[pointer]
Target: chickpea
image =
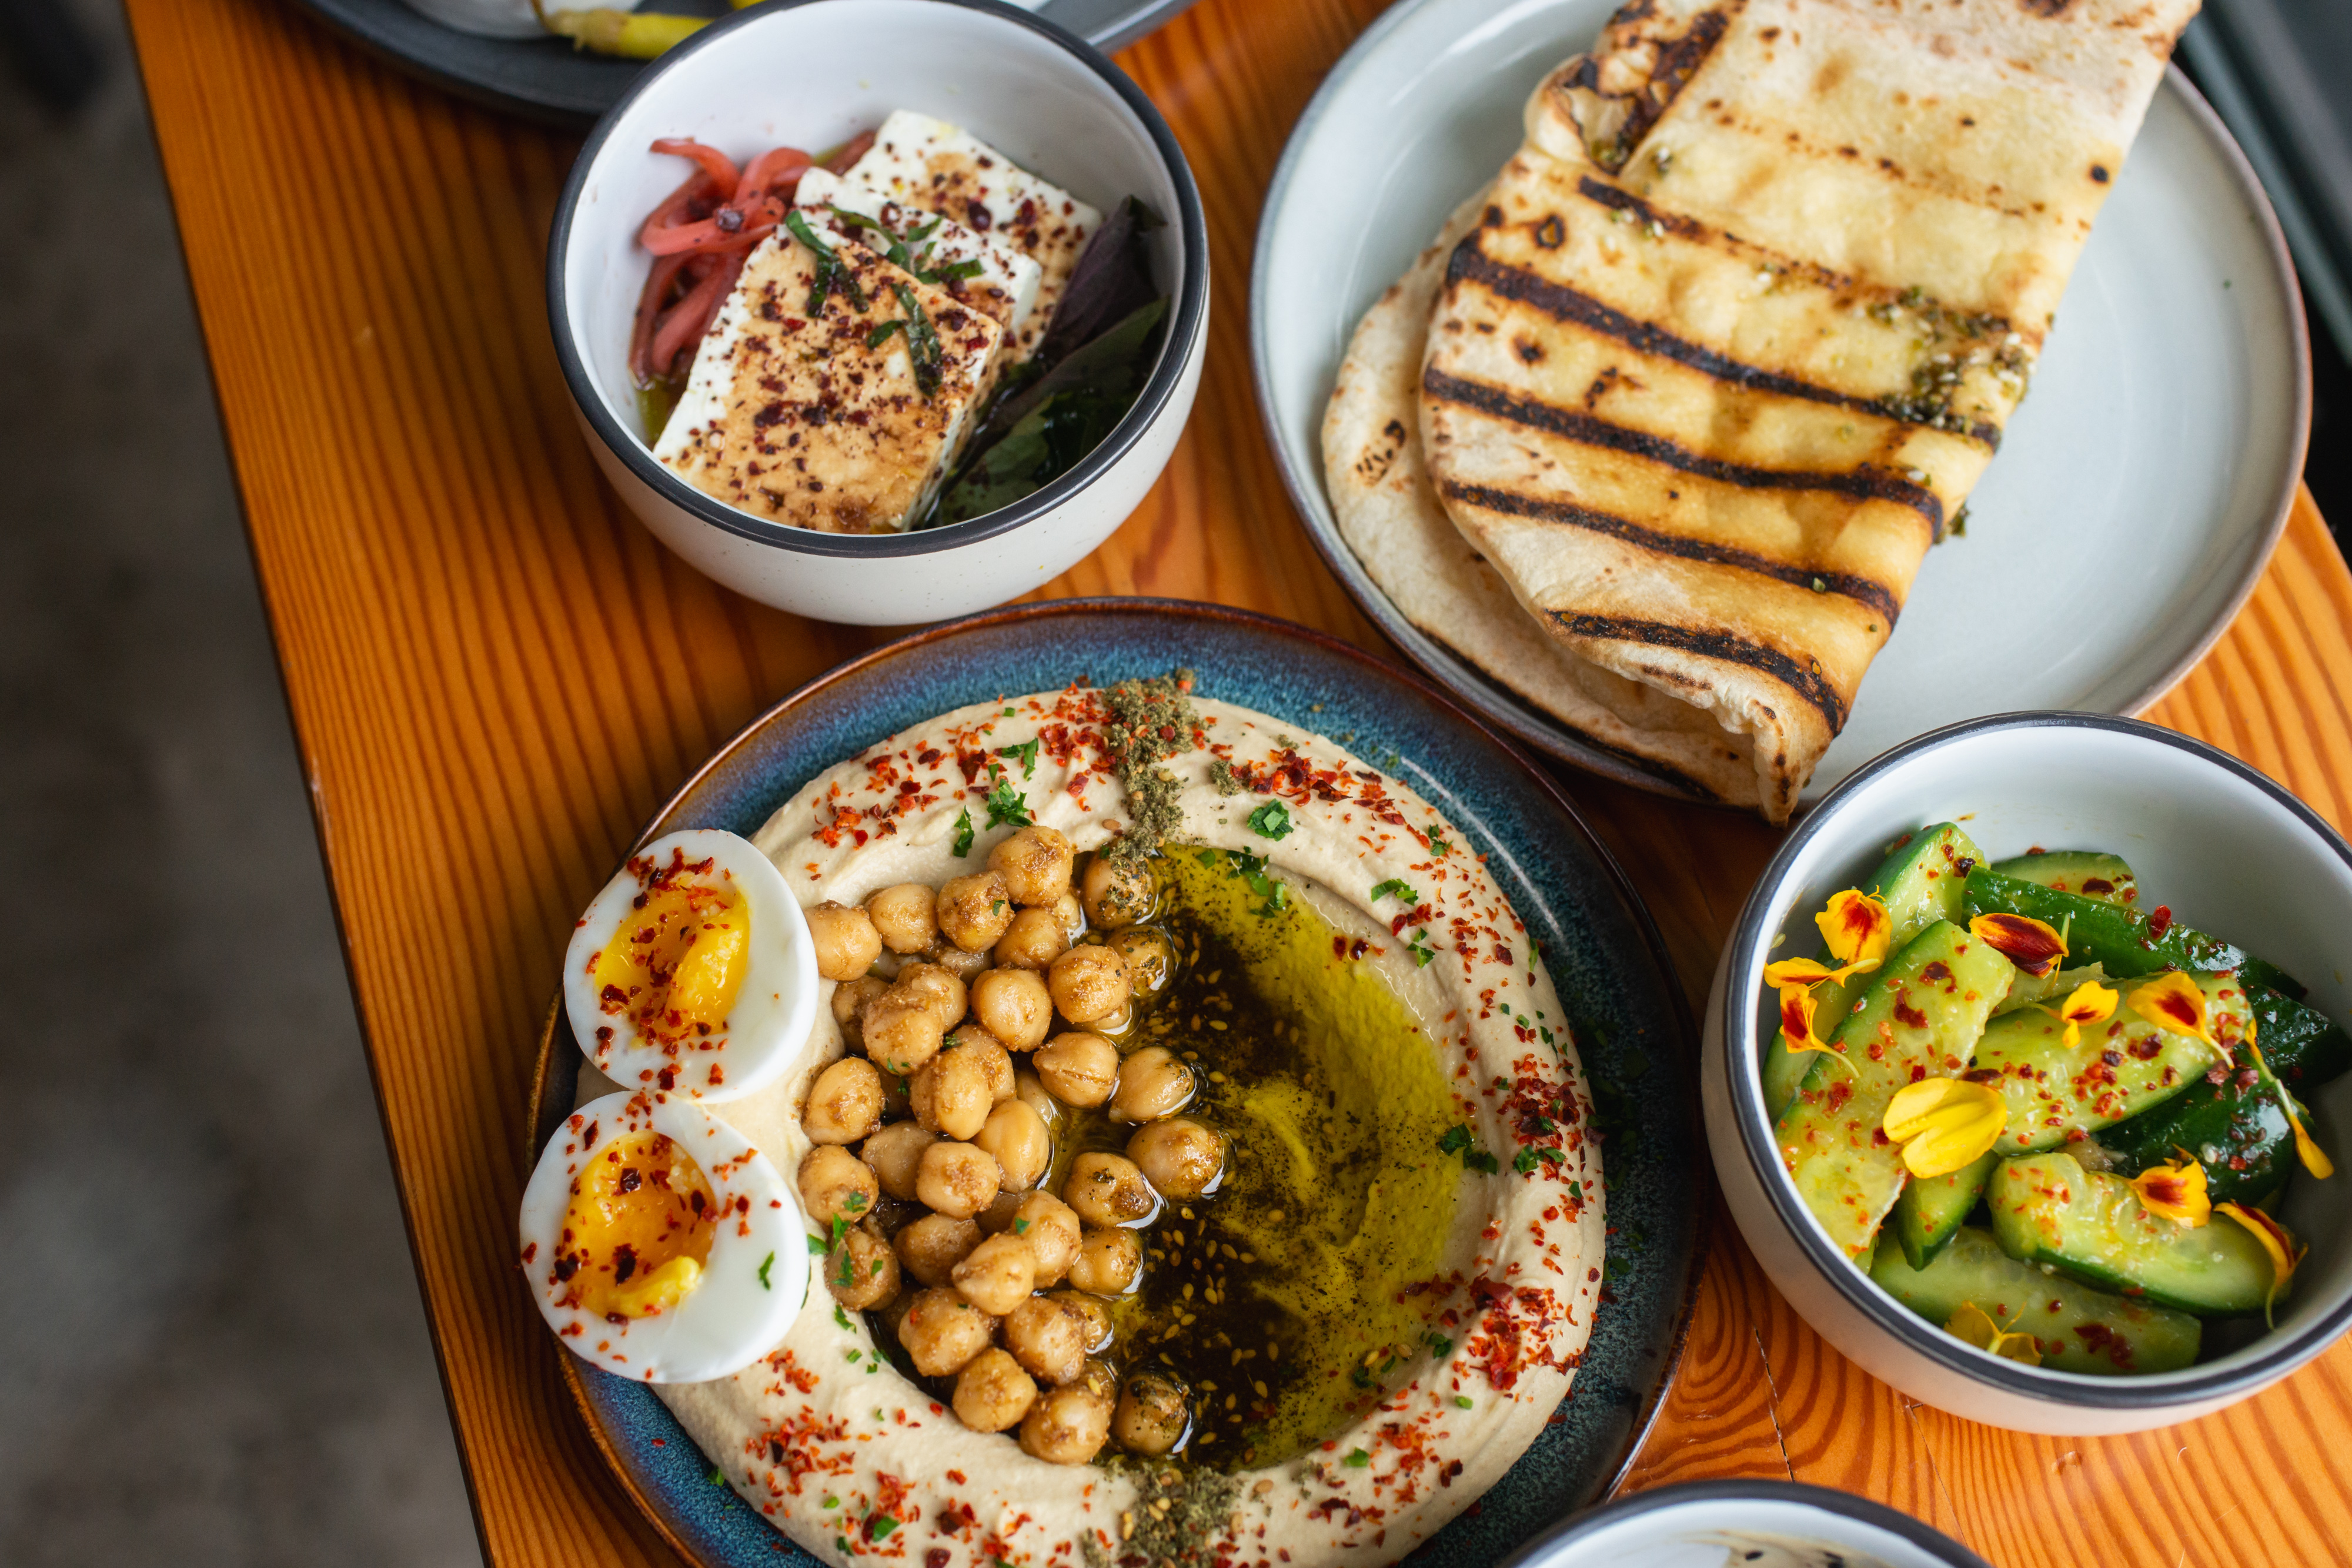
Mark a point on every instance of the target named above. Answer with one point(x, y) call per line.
point(1052, 1228)
point(929, 1248)
point(1153, 1083)
point(1017, 1137)
point(1047, 1336)
point(994, 1059)
point(974, 911)
point(1152, 1415)
point(1089, 984)
point(1089, 1311)
point(1080, 1069)
point(1066, 1425)
point(1151, 960)
point(943, 1333)
point(1179, 1157)
point(845, 1105)
point(991, 1393)
point(847, 942)
point(1001, 1211)
point(1014, 1005)
point(836, 1184)
point(965, 966)
point(895, 1154)
point(850, 1000)
point(1071, 914)
point(1033, 940)
point(1116, 895)
point(1031, 1090)
point(956, 1179)
point(860, 1270)
point(1036, 865)
point(998, 1275)
point(901, 1034)
point(904, 917)
point(1109, 1262)
point(936, 989)
point(1107, 1189)
point(950, 1094)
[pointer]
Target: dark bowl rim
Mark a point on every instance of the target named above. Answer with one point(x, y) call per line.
point(1180, 345)
point(2265, 1361)
point(1861, 1510)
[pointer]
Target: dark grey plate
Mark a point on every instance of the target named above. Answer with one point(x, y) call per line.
point(1604, 954)
point(548, 80)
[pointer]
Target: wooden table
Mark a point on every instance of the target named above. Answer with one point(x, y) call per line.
point(496, 675)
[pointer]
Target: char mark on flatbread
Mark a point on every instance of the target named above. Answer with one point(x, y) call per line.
point(1860, 589)
point(1805, 680)
point(1561, 303)
point(1866, 482)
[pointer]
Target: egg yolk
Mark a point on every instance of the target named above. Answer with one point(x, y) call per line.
point(638, 1230)
point(674, 967)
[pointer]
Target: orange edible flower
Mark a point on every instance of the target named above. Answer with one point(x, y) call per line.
point(1858, 930)
point(1944, 1124)
point(2090, 1002)
point(1975, 1324)
point(1798, 1007)
point(2286, 1252)
point(2034, 945)
point(2175, 1191)
point(2315, 1158)
point(2174, 1001)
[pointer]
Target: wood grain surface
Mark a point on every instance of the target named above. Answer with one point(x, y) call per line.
point(496, 676)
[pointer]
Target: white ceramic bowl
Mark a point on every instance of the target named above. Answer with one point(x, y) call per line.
point(814, 73)
point(2229, 851)
point(1707, 1524)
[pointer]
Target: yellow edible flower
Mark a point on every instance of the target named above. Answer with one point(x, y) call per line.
point(1858, 929)
point(2286, 1253)
point(2034, 945)
point(2314, 1159)
point(2174, 1001)
point(1944, 1124)
point(2090, 1002)
point(1974, 1324)
point(2175, 1191)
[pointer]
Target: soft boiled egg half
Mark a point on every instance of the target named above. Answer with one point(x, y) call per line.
point(692, 973)
point(661, 1245)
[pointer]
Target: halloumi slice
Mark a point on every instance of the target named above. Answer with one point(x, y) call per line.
point(1006, 285)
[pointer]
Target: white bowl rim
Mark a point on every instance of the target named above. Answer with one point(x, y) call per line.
point(1847, 1505)
point(2265, 1362)
point(1177, 343)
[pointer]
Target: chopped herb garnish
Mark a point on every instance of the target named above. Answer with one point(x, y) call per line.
point(1020, 1228)
point(1395, 887)
point(830, 1502)
point(1006, 805)
point(1439, 847)
point(840, 1230)
point(830, 274)
point(1457, 1139)
point(818, 1246)
point(1440, 1346)
point(879, 1527)
point(1027, 752)
point(881, 334)
point(763, 1271)
point(1222, 775)
point(1462, 1401)
point(845, 1274)
point(1480, 1160)
point(1419, 948)
point(923, 350)
point(716, 1477)
point(855, 1202)
point(963, 845)
point(1357, 1459)
point(1271, 820)
point(841, 1317)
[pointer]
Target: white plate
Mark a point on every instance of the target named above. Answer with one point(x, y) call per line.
point(2138, 490)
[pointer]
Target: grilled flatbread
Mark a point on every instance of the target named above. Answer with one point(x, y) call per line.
point(1743, 318)
point(1393, 521)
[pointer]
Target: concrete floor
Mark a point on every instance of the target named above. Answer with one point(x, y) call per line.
point(212, 1349)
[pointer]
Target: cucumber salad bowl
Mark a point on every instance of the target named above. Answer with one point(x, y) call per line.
point(2024, 1067)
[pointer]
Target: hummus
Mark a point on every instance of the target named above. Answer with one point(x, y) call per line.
point(852, 1459)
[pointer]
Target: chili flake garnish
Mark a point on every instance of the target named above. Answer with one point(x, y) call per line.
point(2174, 1001)
point(2034, 945)
point(1973, 1323)
point(1944, 1124)
point(2089, 1002)
point(2176, 1191)
point(2286, 1253)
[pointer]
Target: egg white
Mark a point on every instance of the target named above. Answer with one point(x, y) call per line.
point(732, 1317)
point(774, 1009)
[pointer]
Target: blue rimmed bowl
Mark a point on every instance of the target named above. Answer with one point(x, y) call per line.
point(1603, 953)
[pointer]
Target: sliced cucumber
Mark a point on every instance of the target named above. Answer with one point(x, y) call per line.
point(1921, 1015)
point(2237, 1128)
point(1928, 1213)
point(2126, 940)
point(2115, 1070)
point(2046, 1208)
point(2027, 990)
point(2093, 873)
point(1919, 881)
point(2078, 1329)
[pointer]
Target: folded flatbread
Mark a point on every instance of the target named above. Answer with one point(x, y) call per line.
point(1738, 326)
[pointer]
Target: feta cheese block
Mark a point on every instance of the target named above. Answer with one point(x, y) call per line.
point(1006, 285)
point(806, 409)
point(919, 161)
